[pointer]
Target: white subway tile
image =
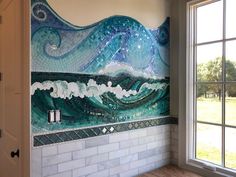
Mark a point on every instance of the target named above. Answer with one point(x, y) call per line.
point(117, 137)
point(119, 169)
point(136, 149)
point(166, 128)
point(119, 153)
point(166, 142)
point(128, 154)
point(137, 133)
point(85, 153)
point(108, 164)
point(104, 173)
point(71, 146)
point(108, 148)
point(147, 139)
point(63, 174)
point(152, 131)
point(157, 130)
point(146, 154)
point(129, 158)
point(167, 136)
point(116, 175)
point(55, 159)
point(162, 163)
point(166, 155)
point(163, 128)
point(154, 145)
point(85, 171)
point(133, 172)
point(174, 145)
point(96, 159)
point(49, 170)
point(138, 163)
point(162, 149)
point(146, 168)
point(49, 150)
point(96, 141)
point(159, 144)
point(153, 159)
point(36, 160)
point(71, 165)
point(129, 143)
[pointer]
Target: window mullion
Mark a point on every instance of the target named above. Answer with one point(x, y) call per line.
point(223, 85)
point(217, 41)
point(195, 81)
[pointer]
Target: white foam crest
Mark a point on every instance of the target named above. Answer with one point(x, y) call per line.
point(115, 68)
point(63, 89)
point(154, 86)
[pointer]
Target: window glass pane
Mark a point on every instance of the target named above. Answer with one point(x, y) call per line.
point(230, 105)
point(230, 148)
point(230, 18)
point(209, 103)
point(209, 62)
point(208, 145)
point(209, 22)
point(230, 61)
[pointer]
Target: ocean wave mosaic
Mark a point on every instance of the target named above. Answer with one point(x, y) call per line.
point(114, 70)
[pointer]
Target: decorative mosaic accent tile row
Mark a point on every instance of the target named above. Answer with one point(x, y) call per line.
point(51, 138)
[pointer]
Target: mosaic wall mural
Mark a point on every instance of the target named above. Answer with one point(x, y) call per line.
point(114, 70)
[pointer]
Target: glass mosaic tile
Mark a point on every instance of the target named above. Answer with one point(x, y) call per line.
point(113, 71)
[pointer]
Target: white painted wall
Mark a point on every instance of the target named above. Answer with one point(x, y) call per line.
point(151, 13)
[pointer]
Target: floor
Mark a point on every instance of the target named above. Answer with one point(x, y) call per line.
point(170, 171)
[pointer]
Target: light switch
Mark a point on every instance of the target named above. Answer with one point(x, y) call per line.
point(57, 115)
point(51, 116)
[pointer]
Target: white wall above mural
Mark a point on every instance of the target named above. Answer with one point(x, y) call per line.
point(151, 13)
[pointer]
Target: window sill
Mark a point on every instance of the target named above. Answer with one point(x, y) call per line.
point(197, 166)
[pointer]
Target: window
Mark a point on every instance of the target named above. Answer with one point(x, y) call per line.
point(211, 53)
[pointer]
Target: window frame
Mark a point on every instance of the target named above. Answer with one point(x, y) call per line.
point(187, 103)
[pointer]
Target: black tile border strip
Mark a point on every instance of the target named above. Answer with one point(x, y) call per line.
point(58, 137)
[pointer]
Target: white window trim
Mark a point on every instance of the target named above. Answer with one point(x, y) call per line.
point(186, 125)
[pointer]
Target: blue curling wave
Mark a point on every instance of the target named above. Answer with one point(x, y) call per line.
point(58, 46)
